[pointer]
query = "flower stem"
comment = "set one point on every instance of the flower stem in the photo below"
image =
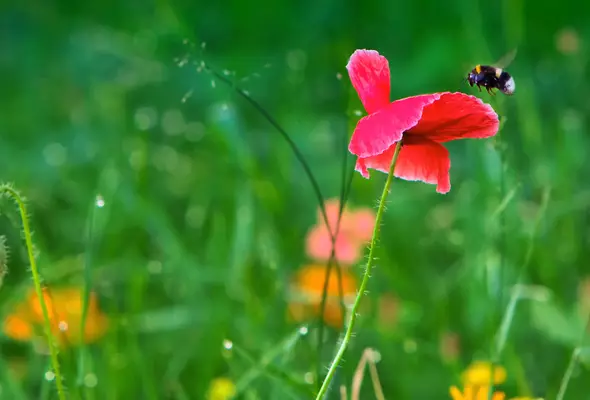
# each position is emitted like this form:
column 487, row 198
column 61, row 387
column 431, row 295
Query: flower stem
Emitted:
column 353, row 313
column 11, row 192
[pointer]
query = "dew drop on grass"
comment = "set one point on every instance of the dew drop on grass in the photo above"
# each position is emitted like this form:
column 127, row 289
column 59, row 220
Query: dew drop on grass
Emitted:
column 182, row 62
column 63, row 326
column 303, row 330
column 228, row 344
column 49, row 376
column 308, row 377
column 358, row 113
column 99, row 201
column 187, row 96
column 339, row 76
column 145, row 118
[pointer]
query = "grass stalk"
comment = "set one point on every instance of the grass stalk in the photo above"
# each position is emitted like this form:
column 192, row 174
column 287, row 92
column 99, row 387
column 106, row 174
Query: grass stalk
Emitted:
column 17, row 198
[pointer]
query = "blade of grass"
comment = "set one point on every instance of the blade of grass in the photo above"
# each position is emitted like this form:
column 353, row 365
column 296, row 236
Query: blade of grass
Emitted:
column 84, row 362
column 262, row 366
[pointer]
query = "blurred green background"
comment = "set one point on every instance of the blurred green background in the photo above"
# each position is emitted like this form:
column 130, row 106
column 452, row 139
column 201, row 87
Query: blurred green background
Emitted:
column 206, row 207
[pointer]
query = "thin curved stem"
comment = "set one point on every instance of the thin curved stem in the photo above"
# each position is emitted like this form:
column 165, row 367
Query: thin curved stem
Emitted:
column 37, row 283
column 364, row 282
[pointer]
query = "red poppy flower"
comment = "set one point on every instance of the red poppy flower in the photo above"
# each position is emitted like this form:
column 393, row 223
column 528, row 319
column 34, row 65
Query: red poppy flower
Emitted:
column 424, row 122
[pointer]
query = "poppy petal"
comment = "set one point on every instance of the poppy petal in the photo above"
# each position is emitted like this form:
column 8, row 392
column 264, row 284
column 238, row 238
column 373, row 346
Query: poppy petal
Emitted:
column 377, row 132
column 369, row 74
column 422, row 160
column 456, row 116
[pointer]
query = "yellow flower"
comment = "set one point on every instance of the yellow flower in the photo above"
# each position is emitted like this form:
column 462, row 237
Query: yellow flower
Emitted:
column 474, row 393
column 479, row 373
column 221, row 389
column 481, row 393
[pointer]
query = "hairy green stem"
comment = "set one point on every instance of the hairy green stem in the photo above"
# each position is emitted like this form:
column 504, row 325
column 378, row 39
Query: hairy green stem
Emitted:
column 37, row 283
column 364, row 282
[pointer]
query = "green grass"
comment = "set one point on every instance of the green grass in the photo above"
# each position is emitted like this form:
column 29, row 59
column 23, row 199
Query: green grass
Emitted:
column 206, row 206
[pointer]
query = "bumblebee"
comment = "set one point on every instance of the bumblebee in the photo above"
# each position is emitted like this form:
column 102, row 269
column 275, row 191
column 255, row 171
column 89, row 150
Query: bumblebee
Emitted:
column 493, row 77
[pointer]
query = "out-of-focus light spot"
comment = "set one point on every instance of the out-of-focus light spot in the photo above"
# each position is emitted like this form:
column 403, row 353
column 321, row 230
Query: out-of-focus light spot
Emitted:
column 228, row 344
column 63, row 326
column 339, row 76
column 308, row 377
column 358, row 113
column 567, row 41
column 145, row 118
column 99, row 201
column 296, row 59
column 455, row 237
column 90, row 380
column 194, row 131
column 118, row 361
column 165, row 158
column 154, row 267
column 375, row 356
column 55, row 154
column 49, row 376
column 137, row 159
column 303, row 330
column 571, row 121
column 410, row 346
column 173, row 122
column 195, row 216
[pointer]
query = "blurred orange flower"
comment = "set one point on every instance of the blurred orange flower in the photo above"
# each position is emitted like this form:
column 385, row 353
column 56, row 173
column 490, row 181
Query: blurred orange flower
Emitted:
column 389, row 311
column 584, row 296
column 356, row 229
column 64, row 307
column 450, row 346
column 306, row 294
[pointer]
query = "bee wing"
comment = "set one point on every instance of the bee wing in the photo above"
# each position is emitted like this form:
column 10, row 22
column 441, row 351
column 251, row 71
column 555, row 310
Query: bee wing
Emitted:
column 506, row 60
